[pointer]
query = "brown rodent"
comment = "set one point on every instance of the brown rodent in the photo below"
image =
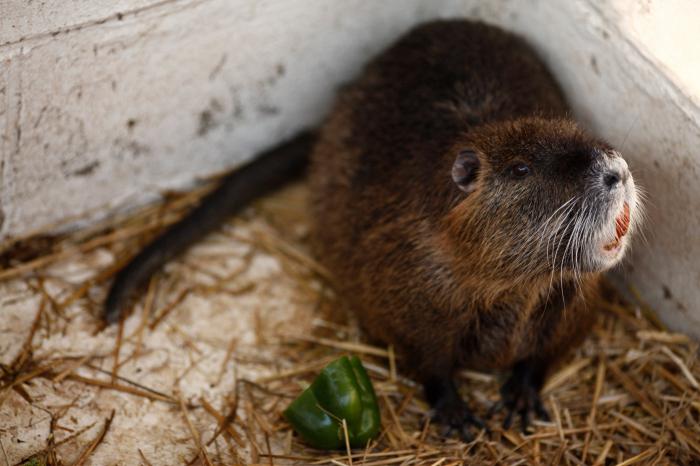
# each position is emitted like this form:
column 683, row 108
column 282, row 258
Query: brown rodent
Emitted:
column 465, row 217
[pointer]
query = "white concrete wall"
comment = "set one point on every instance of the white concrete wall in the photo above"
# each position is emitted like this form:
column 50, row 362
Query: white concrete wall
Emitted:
column 122, row 101
column 104, row 104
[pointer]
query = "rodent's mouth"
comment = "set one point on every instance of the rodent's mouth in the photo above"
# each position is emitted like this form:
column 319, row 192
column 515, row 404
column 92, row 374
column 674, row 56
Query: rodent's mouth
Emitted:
column 622, row 224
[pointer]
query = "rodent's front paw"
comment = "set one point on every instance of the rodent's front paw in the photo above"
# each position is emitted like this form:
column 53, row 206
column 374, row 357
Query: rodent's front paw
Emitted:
column 454, row 416
column 519, row 395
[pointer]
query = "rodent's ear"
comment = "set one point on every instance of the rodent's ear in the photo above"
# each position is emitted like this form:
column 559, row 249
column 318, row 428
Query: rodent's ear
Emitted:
column 465, row 170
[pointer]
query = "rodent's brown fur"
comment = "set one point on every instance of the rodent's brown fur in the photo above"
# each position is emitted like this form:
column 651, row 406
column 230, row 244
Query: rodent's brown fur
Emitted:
column 465, row 217
column 392, row 226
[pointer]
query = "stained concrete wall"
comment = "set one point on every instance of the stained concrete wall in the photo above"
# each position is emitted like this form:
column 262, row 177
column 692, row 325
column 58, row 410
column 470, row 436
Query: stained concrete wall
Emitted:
column 109, row 108
column 104, row 104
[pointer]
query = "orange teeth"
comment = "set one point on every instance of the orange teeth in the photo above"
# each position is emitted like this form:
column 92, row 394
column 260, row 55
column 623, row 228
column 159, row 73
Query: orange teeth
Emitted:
column 622, row 222
column 612, row 245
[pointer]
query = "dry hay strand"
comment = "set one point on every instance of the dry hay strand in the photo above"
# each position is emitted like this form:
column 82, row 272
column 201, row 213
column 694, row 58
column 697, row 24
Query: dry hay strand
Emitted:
column 628, row 396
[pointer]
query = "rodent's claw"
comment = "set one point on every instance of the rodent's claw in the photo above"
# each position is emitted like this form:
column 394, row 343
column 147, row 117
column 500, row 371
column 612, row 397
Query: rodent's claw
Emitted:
column 541, row 411
column 519, row 396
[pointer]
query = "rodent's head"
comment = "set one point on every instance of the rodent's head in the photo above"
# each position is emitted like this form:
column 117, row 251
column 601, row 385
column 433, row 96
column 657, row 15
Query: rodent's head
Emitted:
column 542, row 196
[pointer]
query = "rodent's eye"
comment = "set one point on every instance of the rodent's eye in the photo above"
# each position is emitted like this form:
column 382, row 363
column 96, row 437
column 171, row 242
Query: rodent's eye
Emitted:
column 520, row 170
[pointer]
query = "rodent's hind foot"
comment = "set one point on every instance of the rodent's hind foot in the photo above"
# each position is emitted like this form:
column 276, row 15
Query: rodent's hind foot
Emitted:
column 520, row 394
column 449, row 409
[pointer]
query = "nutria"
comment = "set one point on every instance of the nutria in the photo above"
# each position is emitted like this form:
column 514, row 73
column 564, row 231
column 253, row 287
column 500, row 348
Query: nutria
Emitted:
column 465, row 217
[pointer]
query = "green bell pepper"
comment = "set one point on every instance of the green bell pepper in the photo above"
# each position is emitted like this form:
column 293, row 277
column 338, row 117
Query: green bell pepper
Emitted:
column 341, row 391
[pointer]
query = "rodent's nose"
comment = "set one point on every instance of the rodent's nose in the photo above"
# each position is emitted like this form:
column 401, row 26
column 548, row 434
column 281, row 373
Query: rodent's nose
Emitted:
column 611, row 178
column 615, row 171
